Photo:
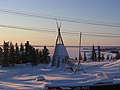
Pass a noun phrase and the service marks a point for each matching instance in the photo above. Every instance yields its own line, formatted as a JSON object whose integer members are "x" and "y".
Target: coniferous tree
{"x": 34, "y": 57}
{"x": 40, "y": 57}
{"x": 11, "y": 55}
{"x": 6, "y": 54}
{"x": 27, "y": 52}
{"x": 17, "y": 54}
{"x": 37, "y": 56}
{"x": 22, "y": 53}
{"x": 1, "y": 56}
{"x": 102, "y": 57}
{"x": 46, "y": 57}
{"x": 93, "y": 54}
{"x": 85, "y": 58}
{"x": 30, "y": 55}
{"x": 99, "y": 53}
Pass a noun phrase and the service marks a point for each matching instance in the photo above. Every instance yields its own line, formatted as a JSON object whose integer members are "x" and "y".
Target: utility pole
{"x": 80, "y": 56}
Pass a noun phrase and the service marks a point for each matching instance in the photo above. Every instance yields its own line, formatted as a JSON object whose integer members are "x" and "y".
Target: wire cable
{"x": 66, "y": 19}
{"x": 50, "y": 31}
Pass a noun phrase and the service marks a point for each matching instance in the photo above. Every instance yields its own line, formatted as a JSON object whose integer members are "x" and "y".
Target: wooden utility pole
{"x": 80, "y": 68}
{"x": 80, "y": 56}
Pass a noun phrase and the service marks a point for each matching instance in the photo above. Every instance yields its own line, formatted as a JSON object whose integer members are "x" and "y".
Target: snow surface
{"x": 24, "y": 76}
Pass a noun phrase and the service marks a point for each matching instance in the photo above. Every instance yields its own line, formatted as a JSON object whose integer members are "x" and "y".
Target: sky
{"x": 106, "y": 11}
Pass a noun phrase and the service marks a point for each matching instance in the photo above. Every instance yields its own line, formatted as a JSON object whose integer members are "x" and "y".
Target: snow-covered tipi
{"x": 60, "y": 55}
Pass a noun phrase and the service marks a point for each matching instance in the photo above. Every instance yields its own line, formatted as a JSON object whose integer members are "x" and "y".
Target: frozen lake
{"x": 73, "y": 51}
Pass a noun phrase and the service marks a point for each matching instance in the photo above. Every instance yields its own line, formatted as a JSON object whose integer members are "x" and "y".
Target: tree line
{"x": 100, "y": 56}
{"x": 21, "y": 54}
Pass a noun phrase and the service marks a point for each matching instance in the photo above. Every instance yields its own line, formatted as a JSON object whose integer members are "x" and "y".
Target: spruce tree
{"x": 17, "y": 54}
{"x": 102, "y": 57}
{"x": 6, "y": 54}
{"x": 27, "y": 52}
{"x": 22, "y": 53}
{"x": 99, "y": 53}
{"x": 34, "y": 57}
{"x": 40, "y": 60}
{"x": 93, "y": 54}
{"x": 11, "y": 54}
{"x": 1, "y": 56}
{"x": 46, "y": 56}
{"x": 85, "y": 58}
{"x": 37, "y": 56}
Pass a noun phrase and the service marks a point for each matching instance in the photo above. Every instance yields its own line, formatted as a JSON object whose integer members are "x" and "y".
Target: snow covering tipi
{"x": 60, "y": 55}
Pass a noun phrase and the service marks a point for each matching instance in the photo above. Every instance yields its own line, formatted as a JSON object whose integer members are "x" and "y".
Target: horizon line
{"x": 71, "y": 45}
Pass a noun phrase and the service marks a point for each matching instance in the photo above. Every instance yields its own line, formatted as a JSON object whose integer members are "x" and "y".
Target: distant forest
{"x": 22, "y": 54}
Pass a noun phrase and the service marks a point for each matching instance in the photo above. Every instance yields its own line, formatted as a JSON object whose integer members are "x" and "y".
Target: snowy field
{"x": 23, "y": 77}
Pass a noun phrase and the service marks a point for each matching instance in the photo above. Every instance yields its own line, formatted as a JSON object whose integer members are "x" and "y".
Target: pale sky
{"x": 91, "y": 10}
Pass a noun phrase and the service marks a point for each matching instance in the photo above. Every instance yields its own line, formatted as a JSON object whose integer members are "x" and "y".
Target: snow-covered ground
{"x": 24, "y": 76}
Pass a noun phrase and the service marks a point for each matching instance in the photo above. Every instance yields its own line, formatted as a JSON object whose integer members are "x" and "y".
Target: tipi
{"x": 60, "y": 55}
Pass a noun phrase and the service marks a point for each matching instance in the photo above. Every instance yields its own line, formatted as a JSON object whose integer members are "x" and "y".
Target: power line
{"x": 97, "y": 35}
{"x": 50, "y": 31}
{"x": 66, "y": 19}
{"x": 26, "y": 28}
{"x": 101, "y": 33}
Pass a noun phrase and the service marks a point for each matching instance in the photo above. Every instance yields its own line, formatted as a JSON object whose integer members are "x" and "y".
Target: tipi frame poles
{"x": 59, "y": 37}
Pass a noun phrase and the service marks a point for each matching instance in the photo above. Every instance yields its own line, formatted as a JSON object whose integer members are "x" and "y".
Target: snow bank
{"x": 24, "y": 76}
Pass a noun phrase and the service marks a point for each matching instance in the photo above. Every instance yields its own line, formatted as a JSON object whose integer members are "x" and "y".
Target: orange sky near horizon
{"x": 48, "y": 39}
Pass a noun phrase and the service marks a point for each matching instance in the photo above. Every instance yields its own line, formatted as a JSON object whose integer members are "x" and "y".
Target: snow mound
{"x": 40, "y": 78}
